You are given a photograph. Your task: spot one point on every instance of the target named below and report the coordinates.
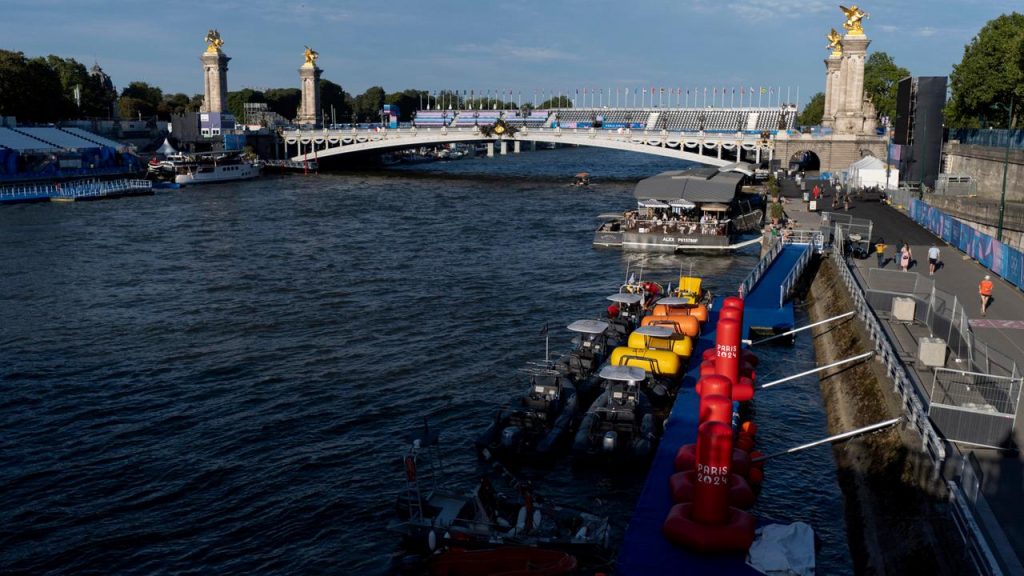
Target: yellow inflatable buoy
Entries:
(659, 362)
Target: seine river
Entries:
(222, 379)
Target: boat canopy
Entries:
(623, 373)
(609, 216)
(624, 298)
(651, 204)
(588, 326)
(698, 185)
(745, 168)
(166, 149)
(655, 331)
(675, 301)
(682, 203)
(714, 207)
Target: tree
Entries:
(408, 101)
(238, 100)
(556, 102)
(812, 113)
(881, 75)
(139, 99)
(367, 106)
(336, 102)
(284, 101)
(991, 71)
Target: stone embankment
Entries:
(897, 513)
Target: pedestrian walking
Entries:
(816, 192)
(880, 252)
(985, 291)
(933, 259)
(905, 257)
(846, 202)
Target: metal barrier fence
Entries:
(810, 236)
(755, 275)
(789, 282)
(850, 226)
(912, 398)
(992, 138)
(975, 408)
(77, 189)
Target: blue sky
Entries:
(525, 45)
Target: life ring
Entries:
(410, 468)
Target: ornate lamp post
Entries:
(1006, 161)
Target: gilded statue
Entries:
(311, 56)
(834, 43)
(213, 41)
(853, 17)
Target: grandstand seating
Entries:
(428, 118)
(477, 117)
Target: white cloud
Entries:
(760, 10)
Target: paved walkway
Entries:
(1002, 330)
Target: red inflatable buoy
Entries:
(740, 495)
(715, 408)
(713, 384)
(727, 347)
(735, 534)
(733, 302)
(686, 459)
(745, 356)
(711, 486)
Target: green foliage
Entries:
(139, 100)
(556, 102)
(881, 75)
(812, 113)
(332, 97)
(238, 100)
(991, 71)
(42, 89)
(367, 106)
(776, 211)
(284, 101)
(408, 101)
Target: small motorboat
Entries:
(692, 291)
(661, 353)
(582, 179)
(539, 422)
(592, 342)
(619, 425)
(506, 561)
(499, 511)
(625, 313)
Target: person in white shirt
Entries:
(933, 259)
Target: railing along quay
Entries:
(755, 275)
(73, 190)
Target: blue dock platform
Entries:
(644, 550)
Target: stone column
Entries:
(215, 81)
(833, 90)
(309, 108)
(852, 113)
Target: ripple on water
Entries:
(222, 379)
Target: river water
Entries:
(222, 379)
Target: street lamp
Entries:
(1006, 161)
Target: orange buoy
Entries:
(715, 408)
(750, 427)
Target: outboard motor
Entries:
(609, 441)
(511, 436)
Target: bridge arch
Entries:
(712, 149)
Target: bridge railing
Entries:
(789, 282)
(774, 249)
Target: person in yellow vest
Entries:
(880, 252)
(985, 290)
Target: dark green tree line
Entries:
(989, 75)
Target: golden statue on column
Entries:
(311, 56)
(835, 43)
(853, 17)
(213, 41)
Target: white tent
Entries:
(166, 149)
(870, 171)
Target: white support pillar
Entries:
(515, 147)
(504, 147)
(490, 149)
